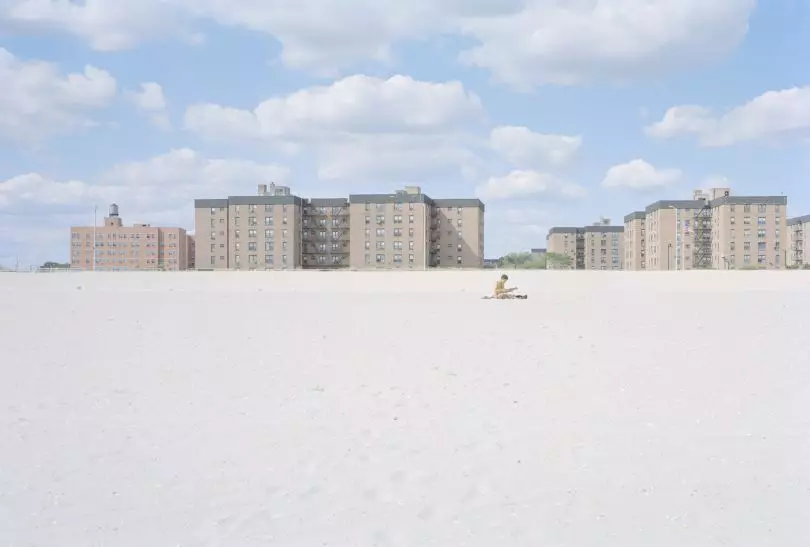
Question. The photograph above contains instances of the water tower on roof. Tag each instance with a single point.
(113, 219)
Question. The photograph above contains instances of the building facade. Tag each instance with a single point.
(115, 247)
(635, 241)
(714, 230)
(277, 230)
(191, 251)
(797, 252)
(567, 241)
(604, 247)
(596, 247)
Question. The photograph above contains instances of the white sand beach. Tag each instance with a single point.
(398, 409)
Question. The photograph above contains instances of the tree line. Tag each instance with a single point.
(535, 261)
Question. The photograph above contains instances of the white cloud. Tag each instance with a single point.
(576, 42)
(525, 148)
(37, 101)
(529, 184)
(522, 42)
(640, 175)
(151, 100)
(36, 209)
(169, 181)
(355, 104)
(770, 115)
(360, 126)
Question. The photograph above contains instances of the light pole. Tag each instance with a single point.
(669, 256)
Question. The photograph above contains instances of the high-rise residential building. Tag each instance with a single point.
(714, 230)
(115, 247)
(568, 241)
(635, 241)
(798, 248)
(277, 230)
(596, 247)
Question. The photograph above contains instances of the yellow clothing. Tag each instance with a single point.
(500, 286)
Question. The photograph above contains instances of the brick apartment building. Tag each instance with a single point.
(278, 230)
(115, 247)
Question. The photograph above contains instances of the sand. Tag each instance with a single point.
(305, 409)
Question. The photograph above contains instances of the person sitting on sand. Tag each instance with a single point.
(501, 290)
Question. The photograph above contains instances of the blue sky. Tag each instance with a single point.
(553, 116)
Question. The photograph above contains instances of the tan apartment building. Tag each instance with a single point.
(604, 247)
(115, 247)
(749, 232)
(715, 230)
(405, 229)
(567, 241)
(635, 241)
(797, 253)
(596, 247)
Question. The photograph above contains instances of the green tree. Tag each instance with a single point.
(557, 260)
(54, 266)
(522, 261)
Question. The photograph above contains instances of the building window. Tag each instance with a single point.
(381, 244)
(380, 232)
(410, 219)
(380, 220)
(458, 260)
(380, 259)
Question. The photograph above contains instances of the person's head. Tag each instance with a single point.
(505, 277)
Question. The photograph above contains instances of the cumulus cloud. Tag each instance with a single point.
(521, 42)
(529, 184)
(151, 100)
(640, 175)
(360, 126)
(773, 114)
(525, 148)
(37, 101)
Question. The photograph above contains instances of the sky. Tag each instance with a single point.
(552, 112)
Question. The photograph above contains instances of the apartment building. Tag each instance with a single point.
(567, 241)
(604, 247)
(797, 253)
(596, 247)
(714, 230)
(404, 229)
(669, 229)
(747, 231)
(635, 241)
(115, 247)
